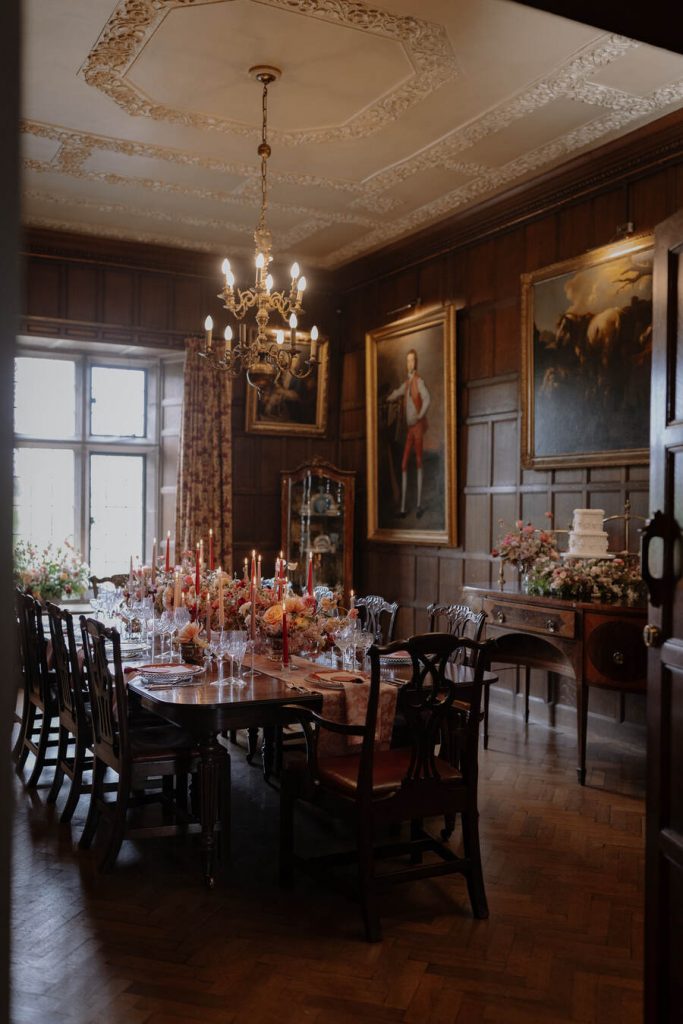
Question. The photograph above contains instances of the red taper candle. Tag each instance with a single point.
(211, 562)
(197, 580)
(285, 637)
(310, 574)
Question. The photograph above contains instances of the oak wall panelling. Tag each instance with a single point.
(476, 261)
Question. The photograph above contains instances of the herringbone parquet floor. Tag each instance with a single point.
(150, 945)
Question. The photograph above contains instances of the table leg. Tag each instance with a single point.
(581, 728)
(268, 750)
(212, 759)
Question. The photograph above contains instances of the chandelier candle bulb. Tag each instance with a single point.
(208, 327)
(300, 288)
(314, 343)
(294, 271)
(227, 334)
(280, 337)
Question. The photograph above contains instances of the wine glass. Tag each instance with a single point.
(165, 627)
(238, 648)
(343, 641)
(215, 647)
(362, 641)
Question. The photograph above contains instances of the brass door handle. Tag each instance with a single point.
(652, 636)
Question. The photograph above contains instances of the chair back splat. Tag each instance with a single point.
(107, 692)
(119, 579)
(378, 616)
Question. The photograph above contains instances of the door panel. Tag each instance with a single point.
(664, 856)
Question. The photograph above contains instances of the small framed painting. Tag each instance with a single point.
(410, 399)
(586, 358)
(294, 405)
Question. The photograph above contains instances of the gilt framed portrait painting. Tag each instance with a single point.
(410, 402)
(586, 358)
(294, 405)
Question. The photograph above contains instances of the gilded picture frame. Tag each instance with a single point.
(292, 407)
(411, 417)
(586, 359)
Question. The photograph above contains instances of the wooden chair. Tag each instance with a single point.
(72, 708)
(377, 616)
(36, 731)
(376, 788)
(136, 754)
(460, 620)
(119, 579)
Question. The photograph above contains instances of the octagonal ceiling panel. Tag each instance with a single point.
(141, 119)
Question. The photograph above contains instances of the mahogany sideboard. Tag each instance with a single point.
(594, 644)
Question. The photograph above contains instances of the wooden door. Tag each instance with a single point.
(664, 635)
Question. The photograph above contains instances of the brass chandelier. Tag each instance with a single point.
(264, 355)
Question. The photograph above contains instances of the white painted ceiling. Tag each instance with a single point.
(141, 122)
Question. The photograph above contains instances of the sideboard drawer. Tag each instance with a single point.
(531, 618)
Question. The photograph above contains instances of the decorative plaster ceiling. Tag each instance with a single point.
(141, 122)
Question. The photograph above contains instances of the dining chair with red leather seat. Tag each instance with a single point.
(75, 729)
(138, 754)
(39, 715)
(376, 788)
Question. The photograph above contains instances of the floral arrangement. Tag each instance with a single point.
(50, 573)
(524, 545)
(604, 580)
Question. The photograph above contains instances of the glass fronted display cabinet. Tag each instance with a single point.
(317, 519)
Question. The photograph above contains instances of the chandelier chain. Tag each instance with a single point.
(264, 150)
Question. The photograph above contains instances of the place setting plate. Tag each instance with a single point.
(334, 678)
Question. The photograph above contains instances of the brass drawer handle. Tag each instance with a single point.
(551, 625)
(618, 657)
(500, 616)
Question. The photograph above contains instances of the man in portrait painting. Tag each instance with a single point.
(414, 398)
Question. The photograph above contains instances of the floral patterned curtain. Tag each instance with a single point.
(204, 497)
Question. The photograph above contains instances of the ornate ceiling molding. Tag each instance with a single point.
(133, 22)
(76, 147)
(491, 180)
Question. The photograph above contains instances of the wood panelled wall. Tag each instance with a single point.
(481, 275)
(82, 289)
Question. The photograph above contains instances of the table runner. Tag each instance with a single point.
(347, 705)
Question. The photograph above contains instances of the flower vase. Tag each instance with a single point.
(523, 578)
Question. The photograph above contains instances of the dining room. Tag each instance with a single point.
(344, 540)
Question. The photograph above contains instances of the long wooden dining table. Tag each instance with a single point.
(209, 706)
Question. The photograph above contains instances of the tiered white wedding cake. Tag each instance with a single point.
(587, 539)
